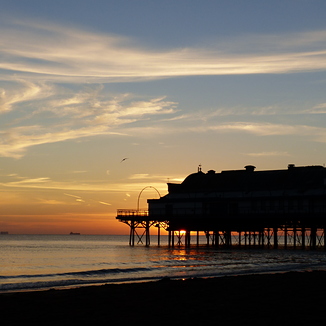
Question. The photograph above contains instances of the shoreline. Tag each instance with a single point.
(290, 297)
(152, 280)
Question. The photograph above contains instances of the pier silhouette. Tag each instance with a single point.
(267, 209)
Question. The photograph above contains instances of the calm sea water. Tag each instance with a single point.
(29, 262)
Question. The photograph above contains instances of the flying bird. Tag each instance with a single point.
(124, 159)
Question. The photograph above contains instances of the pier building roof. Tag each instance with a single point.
(247, 179)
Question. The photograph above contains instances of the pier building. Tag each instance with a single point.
(245, 207)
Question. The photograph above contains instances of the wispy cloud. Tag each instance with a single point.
(31, 182)
(37, 59)
(15, 141)
(70, 189)
(74, 196)
(139, 176)
(206, 115)
(50, 201)
(52, 52)
(268, 129)
(264, 154)
(69, 116)
(262, 129)
(317, 109)
(104, 203)
(23, 91)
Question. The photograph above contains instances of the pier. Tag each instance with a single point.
(238, 208)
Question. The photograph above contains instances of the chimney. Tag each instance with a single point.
(250, 168)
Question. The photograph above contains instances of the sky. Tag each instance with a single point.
(169, 85)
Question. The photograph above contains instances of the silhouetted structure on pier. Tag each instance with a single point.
(240, 207)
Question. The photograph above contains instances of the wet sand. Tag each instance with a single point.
(294, 298)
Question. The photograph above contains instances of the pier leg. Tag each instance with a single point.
(158, 235)
(187, 239)
(313, 237)
(303, 237)
(132, 234)
(268, 237)
(213, 238)
(275, 229)
(169, 238)
(179, 236)
(207, 237)
(147, 235)
(227, 239)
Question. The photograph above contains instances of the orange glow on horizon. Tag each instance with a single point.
(63, 224)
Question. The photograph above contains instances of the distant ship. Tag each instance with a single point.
(74, 233)
(4, 232)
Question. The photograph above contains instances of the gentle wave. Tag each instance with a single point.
(81, 273)
(77, 282)
(25, 286)
(62, 283)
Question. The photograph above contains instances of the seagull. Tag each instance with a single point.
(124, 159)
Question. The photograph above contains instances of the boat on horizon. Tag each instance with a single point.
(74, 233)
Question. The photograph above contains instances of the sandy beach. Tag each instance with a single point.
(293, 298)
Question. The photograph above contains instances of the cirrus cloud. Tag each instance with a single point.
(52, 52)
(69, 116)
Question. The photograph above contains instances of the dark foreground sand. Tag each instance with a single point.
(279, 299)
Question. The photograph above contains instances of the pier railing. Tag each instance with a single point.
(132, 212)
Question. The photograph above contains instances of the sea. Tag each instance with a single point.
(41, 262)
